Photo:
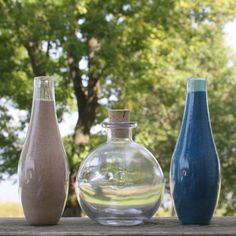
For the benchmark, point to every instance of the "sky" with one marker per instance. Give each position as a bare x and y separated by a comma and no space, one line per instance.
9,188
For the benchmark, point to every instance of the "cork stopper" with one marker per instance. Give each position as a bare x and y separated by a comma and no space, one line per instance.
119,115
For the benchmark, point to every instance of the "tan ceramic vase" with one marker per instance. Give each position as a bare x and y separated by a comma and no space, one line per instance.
43,168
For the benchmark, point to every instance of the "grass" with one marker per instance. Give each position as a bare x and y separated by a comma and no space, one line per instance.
10,209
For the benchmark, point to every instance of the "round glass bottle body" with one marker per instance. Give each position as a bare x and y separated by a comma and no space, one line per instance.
120,182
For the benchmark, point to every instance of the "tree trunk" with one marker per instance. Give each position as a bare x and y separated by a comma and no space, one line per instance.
87,103
38,67
72,207
87,111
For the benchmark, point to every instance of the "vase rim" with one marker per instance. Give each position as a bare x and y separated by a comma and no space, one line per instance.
44,77
197,78
197,85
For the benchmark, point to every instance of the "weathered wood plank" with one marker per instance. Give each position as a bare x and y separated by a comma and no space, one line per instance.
84,226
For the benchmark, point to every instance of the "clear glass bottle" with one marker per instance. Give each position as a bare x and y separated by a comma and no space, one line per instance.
120,182
43,168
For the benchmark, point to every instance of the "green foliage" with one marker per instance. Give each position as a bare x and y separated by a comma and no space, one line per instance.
145,50
77,154
9,143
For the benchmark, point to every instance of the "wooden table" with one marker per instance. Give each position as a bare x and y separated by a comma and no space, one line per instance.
84,226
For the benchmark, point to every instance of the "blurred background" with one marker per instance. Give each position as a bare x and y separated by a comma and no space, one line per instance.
134,54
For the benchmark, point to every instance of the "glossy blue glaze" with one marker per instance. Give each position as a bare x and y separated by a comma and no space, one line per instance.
195,167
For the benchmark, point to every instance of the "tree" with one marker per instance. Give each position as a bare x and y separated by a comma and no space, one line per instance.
135,51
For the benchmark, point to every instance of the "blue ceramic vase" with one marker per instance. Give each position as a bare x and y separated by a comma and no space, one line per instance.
195,167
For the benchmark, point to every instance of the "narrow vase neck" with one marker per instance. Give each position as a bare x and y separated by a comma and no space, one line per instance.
43,106
44,88
196,116
196,100
196,85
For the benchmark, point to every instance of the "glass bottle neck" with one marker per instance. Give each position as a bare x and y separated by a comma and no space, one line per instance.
119,134
197,85
44,88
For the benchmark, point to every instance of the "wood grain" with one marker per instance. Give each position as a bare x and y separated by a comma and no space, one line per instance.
84,226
